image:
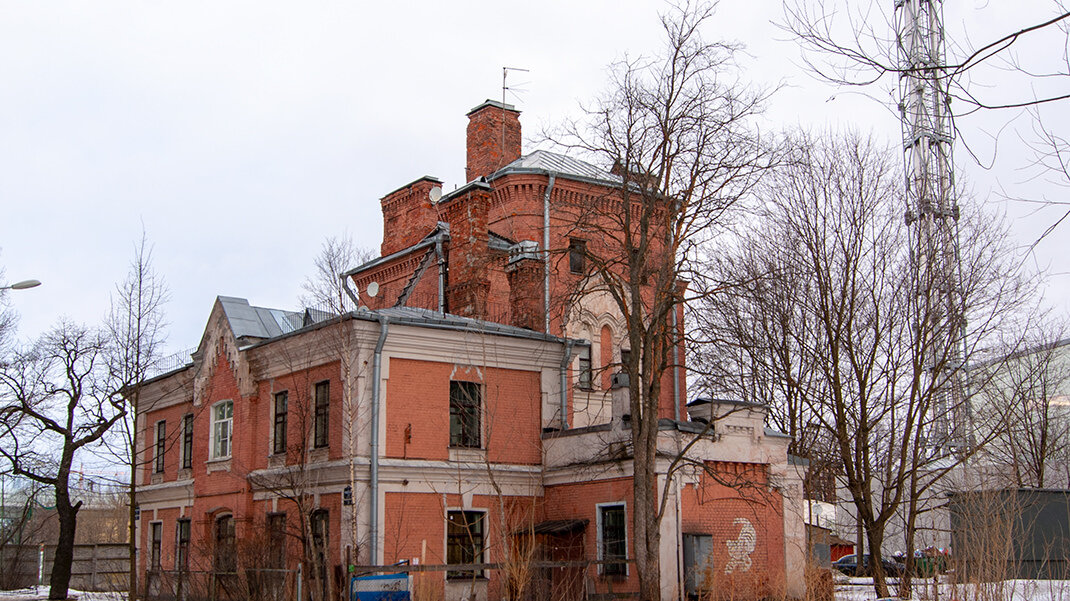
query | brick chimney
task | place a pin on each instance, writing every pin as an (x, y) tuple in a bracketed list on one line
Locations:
[(493, 138), (408, 214), (469, 258), (525, 272)]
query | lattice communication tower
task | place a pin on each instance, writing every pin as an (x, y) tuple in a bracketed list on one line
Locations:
[(932, 213)]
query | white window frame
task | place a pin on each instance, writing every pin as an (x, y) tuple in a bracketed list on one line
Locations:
[(216, 422), (598, 534)]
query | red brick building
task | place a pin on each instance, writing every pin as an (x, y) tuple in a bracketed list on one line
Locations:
[(464, 414)]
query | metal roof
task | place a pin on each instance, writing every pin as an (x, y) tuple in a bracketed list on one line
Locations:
[(247, 321), (544, 161)]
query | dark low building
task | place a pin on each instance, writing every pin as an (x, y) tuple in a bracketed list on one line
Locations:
[(1011, 533)]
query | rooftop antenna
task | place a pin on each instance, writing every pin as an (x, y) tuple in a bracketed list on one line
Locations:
[(505, 75)]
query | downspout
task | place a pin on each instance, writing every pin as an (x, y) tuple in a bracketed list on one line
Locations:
[(384, 326), (546, 253), (441, 273), (675, 365), (349, 291), (564, 383)]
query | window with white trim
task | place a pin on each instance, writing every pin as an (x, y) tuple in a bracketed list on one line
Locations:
[(612, 538), (222, 424)]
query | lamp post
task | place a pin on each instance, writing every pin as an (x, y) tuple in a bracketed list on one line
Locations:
[(24, 284)]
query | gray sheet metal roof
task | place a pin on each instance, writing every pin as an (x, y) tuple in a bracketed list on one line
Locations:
[(416, 316), (264, 324), (544, 161), (247, 321)]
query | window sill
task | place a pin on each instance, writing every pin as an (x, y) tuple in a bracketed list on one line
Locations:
[(277, 460), (185, 473), (157, 477), (464, 579), (319, 454), (467, 454), (218, 465)]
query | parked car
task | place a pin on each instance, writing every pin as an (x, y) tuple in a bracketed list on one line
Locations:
[(848, 564)]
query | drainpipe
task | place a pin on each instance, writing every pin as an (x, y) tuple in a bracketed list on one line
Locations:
[(546, 253), (675, 365), (441, 274), (564, 384), (384, 326), (349, 291)]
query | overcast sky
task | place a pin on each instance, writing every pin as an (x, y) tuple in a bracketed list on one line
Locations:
[(241, 134)]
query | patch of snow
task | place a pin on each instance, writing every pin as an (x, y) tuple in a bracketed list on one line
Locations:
[(40, 593)]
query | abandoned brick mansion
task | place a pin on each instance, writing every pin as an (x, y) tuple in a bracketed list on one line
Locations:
[(465, 418)]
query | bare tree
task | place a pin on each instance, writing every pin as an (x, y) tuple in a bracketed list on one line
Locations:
[(678, 131), (1024, 403), (56, 402), (825, 328), (135, 327)]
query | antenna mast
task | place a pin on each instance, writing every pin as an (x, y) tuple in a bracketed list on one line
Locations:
[(932, 215)]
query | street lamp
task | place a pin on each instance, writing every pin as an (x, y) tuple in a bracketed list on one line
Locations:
[(24, 284)]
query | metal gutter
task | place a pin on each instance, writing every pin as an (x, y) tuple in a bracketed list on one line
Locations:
[(675, 367), (384, 328), (546, 252), (564, 382)]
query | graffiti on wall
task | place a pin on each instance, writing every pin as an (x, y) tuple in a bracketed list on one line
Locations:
[(740, 548)]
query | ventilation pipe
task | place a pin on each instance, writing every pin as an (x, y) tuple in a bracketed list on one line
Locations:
[(384, 326)]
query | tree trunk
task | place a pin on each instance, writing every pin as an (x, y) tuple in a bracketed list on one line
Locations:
[(60, 580), (645, 509), (132, 593)]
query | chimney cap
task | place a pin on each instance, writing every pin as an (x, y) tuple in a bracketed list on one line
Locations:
[(492, 103)]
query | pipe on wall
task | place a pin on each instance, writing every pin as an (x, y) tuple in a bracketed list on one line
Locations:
[(384, 328), (564, 384), (546, 252)]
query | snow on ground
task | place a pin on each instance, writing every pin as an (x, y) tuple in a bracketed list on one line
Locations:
[(35, 593), (861, 589)]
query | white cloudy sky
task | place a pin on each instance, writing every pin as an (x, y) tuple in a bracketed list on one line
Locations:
[(240, 134)]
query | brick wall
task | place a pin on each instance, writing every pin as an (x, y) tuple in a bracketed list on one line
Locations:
[(417, 411), (726, 506)]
